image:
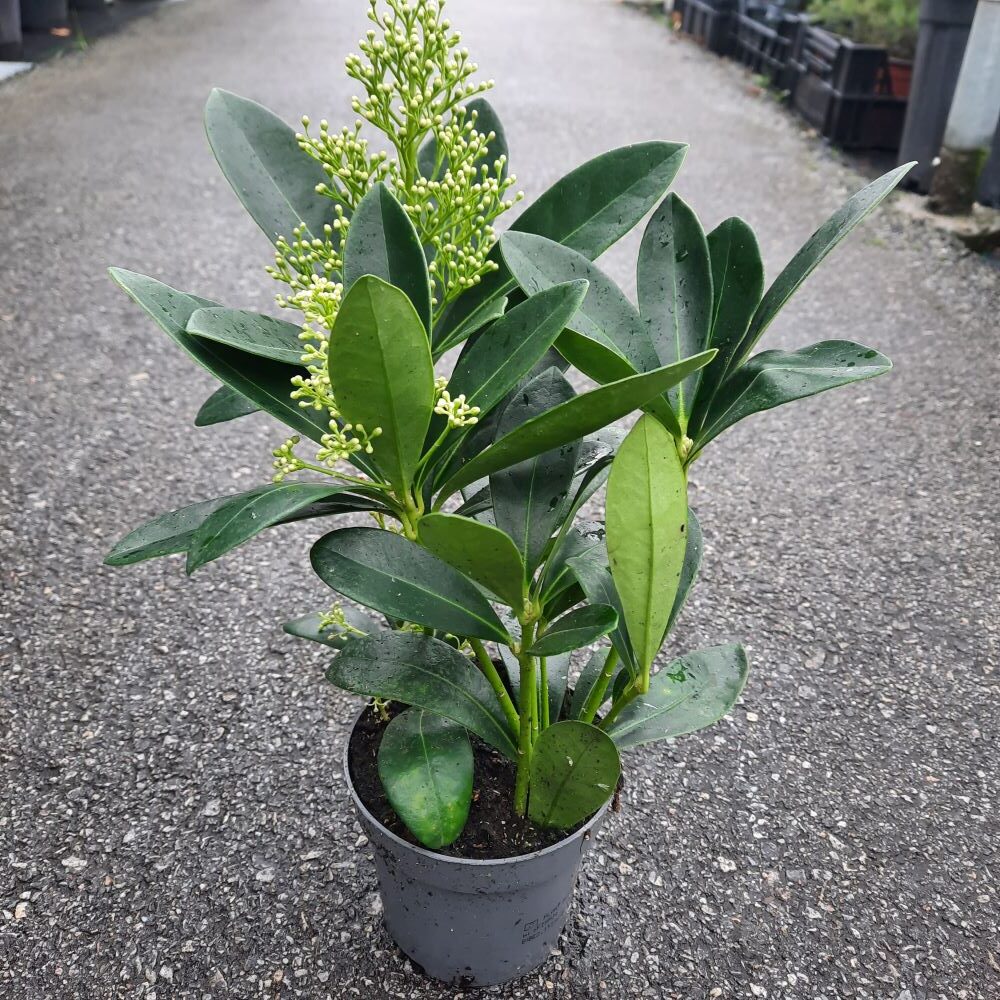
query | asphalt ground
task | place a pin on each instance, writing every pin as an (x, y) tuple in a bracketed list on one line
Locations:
[(174, 822)]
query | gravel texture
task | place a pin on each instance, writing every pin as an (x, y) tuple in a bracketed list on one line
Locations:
[(173, 820)]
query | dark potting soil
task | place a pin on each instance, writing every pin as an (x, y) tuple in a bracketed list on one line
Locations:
[(493, 829)]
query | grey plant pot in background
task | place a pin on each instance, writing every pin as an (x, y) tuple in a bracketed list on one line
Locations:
[(474, 923)]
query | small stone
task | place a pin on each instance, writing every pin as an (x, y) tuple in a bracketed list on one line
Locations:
[(74, 864), (265, 875), (212, 808), (21, 910), (758, 991), (727, 865)]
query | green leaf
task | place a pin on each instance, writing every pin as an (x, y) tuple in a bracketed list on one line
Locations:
[(577, 541), (493, 362), (424, 672), (387, 572), (271, 175), (337, 636), (529, 497), (646, 522), (242, 517), (579, 627), (224, 404), (693, 548), (605, 316), (264, 382), (692, 692), (164, 535), (480, 551), (574, 771), (737, 284), (674, 286), (588, 210), (588, 678), (772, 378), (814, 250), (579, 416), (425, 763), (382, 374), (251, 332), (381, 241)]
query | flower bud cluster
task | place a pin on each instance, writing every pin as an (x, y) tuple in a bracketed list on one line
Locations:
[(335, 618), (457, 410)]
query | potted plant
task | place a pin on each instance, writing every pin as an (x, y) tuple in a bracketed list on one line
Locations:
[(480, 769)]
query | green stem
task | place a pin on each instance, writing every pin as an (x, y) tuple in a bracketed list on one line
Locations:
[(543, 691), (527, 699), (596, 696), (499, 688), (631, 692)]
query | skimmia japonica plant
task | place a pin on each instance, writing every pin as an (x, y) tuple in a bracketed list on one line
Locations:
[(482, 577)]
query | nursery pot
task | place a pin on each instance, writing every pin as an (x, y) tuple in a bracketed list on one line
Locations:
[(472, 922)]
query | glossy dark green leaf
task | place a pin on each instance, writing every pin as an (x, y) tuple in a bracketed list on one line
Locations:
[(854, 211), (261, 159), (576, 541), (690, 693), (224, 404), (574, 771), (588, 210), (572, 420), (772, 378), (382, 241), (480, 551), (529, 497), (737, 285), (336, 636), (264, 382), (493, 362), (424, 672), (387, 572), (589, 677), (576, 629), (693, 549), (646, 522), (164, 535), (382, 374), (605, 316), (251, 332), (674, 287), (592, 573), (425, 764), (242, 517)]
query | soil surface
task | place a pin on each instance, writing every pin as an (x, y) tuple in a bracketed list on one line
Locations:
[(493, 829)]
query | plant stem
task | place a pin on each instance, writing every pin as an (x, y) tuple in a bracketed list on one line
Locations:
[(527, 699), (596, 696), (632, 691), (543, 692), (496, 682)]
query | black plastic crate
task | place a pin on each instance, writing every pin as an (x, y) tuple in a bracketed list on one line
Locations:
[(766, 45), (844, 90)]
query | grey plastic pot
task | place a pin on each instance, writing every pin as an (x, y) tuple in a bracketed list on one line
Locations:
[(474, 923)]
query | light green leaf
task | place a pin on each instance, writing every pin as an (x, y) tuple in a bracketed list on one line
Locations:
[(772, 378), (582, 415), (387, 572), (576, 629), (261, 159), (646, 522), (224, 404), (381, 241), (480, 551), (251, 332), (574, 771), (425, 764), (692, 692), (674, 286), (382, 374), (424, 672)]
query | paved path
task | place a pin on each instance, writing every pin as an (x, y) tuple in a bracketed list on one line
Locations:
[(173, 819)]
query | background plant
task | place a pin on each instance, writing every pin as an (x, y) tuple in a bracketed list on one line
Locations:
[(893, 24), (483, 577)]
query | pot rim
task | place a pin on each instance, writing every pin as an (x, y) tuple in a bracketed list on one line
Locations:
[(450, 858)]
